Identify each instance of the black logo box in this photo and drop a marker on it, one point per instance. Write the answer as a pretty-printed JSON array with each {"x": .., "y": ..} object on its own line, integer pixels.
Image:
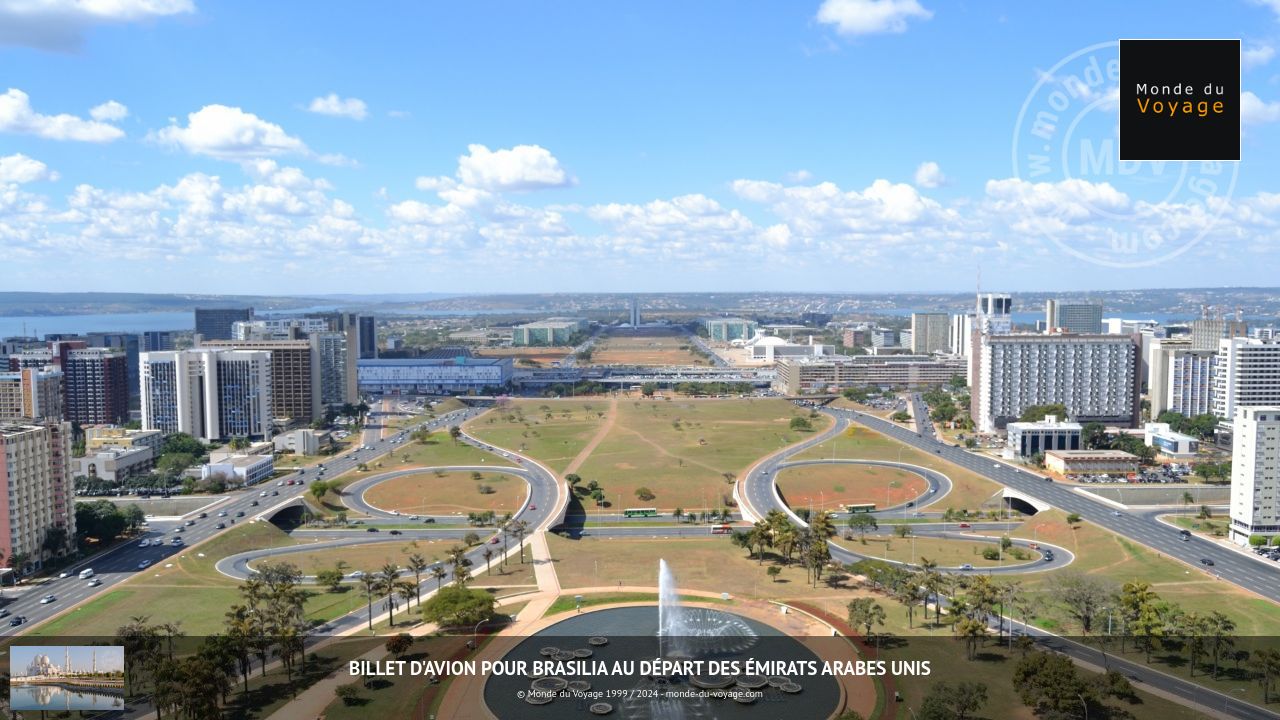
[{"x": 1187, "y": 68}]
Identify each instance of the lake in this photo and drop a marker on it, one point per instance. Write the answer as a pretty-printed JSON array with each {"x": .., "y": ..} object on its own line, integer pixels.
[
  {"x": 57, "y": 698},
  {"x": 39, "y": 326}
]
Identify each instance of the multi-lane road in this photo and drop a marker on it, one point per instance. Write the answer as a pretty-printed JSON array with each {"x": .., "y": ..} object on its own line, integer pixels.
[{"x": 121, "y": 563}]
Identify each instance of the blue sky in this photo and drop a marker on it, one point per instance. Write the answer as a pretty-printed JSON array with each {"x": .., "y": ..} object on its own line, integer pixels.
[{"x": 853, "y": 145}]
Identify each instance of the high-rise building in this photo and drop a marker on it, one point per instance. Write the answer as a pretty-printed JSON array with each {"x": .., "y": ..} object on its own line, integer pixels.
[
  {"x": 295, "y": 377},
  {"x": 31, "y": 394},
  {"x": 992, "y": 315},
  {"x": 1207, "y": 332},
  {"x": 930, "y": 333},
  {"x": 215, "y": 323},
  {"x": 368, "y": 337},
  {"x": 1083, "y": 318},
  {"x": 555, "y": 331},
  {"x": 1255, "y": 473},
  {"x": 1094, "y": 376},
  {"x": 128, "y": 343},
  {"x": 157, "y": 341},
  {"x": 330, "y": 351},
  {"x": 210, "y": 393},
  {"x": 960, "y": 334},
  {"x": 35, "y": 492},
  {"x": 1247, "y": 375},
  {"x": 1180, "y": 379},
  {"x": 279, "y": 328},
  {"x": 348, "y": 324},
  {"x": 884, "y": 337},
  {"x": 635, "y": 312},
  {"x": 95, "y": 385}
]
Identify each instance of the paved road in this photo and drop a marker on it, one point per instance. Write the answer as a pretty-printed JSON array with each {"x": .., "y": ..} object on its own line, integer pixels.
[
  {"x": 702, "y": 345},
  {"x": 122, "y": 562},
  {"x": 1231, "y": 566}
]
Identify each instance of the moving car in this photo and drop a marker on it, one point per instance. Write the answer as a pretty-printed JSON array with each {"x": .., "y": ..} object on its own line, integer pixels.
[
  {"x": 222, "y": 513},
  {"x": 966, "y": 566},
  {"x": 253, "y": 503},
  {"x": 47, "y": 599},
  {"x": 144, "y": 564},
  {"x": 372, "y": 529},
  {"x": 239, "y": 513},
  {"x": 145, "y": 543},
  {"x": 95, "y": 582},
  {"x": 17, "y": 620},
  {"x": 1206, "y": 562},
  {"x": 220, "y": 526}
]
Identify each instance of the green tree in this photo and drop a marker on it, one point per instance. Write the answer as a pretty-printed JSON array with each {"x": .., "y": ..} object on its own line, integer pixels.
[
  {"x": 1036, "y": 413},
  {"x": 946, "y": 701},
  {"x": 458, "y": 607},
  {"x": 773, "y": 571},
  {"x": 348, "y": 693},
  {"x": 331, "y": 579},
  {"x": 1093, "y": 435},
  {"x": 865, "y": 613},
  {"x": 801, "y": 424},
  {"x": 645, "y": 494},
  {"x": 455, "y": 433}
]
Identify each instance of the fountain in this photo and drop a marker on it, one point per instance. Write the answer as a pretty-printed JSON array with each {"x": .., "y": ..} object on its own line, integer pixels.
[{"x": 673, "y": 625}]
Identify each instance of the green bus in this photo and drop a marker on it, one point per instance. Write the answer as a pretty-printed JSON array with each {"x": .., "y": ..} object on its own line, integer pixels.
[
  {"x": 640, "y": 512},
  {"x": 861, "y": 508}
]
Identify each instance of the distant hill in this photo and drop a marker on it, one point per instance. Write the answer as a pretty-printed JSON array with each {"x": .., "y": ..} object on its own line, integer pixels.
[{"x": 60, "y": 303}]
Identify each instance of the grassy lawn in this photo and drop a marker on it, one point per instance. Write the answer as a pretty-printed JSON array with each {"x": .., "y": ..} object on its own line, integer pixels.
[
  {"x": 969, "y": 490},
  {"x": 192, "y": 591},
  {"x": 645, "y": 350},
  {"x": 681, "y": 450},
  {"x": 709, "y": 563},
  {"x": 552, "y": 431},
  {"x": 947, "y": 553},
  {"x": 1212, "y": 527},
  {"x": 166, "y": 507},
  {"x": 437, "y": 451},
  {"x": 368, "y": 557},
  {"x": 833, "y": 486},
  {"x": 448, "y": 492}
]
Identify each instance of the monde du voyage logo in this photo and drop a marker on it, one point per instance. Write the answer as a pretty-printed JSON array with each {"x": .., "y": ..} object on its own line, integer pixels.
[{"x": 1180, "y": 100}]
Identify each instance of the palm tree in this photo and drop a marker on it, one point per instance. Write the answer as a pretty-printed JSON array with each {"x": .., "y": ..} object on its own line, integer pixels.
[
  {"x": 387, "y": 578},
  {"x": 439, "y": 573},
  {"x": 519, "y": 528},
  {"x": 407, "y": 592},
  {"x": 417, "y": 564},
  {"x": 488, "y": 555},
  {"x": 370, "y": 583},
  {"x": 823, "y": 523},
  {"x": 909, "y": 594}
]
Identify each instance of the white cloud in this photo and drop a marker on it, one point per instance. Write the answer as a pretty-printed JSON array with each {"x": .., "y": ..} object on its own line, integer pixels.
[
  {"x": 17, "y": 116},
  {"x": 1256, "y": 111},
  {"x": 1274, "y": 5},
  {"x": 230, "y": 133},
  {"x": 19, "y": 168},
  {"x": 929, "y": 175},
  {"x": 60, "y": 24},
  {"x": 798, "y": 176},
  {"x": 523, "y": 167},
  {"x": 335, "y": 106},
  {"x": 1066, "y": 201},
  {"x": 420, "y": 213},
  {"x": 1256, "y": 56},
  {"x": 868, "y": 17},
  {"x": 109, "y": 111}
]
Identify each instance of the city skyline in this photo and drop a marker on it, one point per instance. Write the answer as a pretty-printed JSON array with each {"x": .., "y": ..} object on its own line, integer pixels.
[
  {"x": 723, "y": 144},
  {"x": 110, "y": 658}
]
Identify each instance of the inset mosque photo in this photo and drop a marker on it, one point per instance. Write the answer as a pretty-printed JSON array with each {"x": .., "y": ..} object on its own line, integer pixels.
[{"x": 66, "y": 677}]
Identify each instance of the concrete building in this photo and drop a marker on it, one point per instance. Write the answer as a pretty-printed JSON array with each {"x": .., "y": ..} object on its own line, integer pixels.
[
  {"x": 156, "y": 341},
  {"x": 1167, "y": 442},
  {"x": 1180, "y": 379},
  {"x": 992, "y": 315},
  {"x": 1255, "y": 473},
  {"x": 368, "y": 337},
  {"x": 31, "y": 394},
  {"x": 216, "y": 323},
  {"x": 771, "y": 348},
  {"x": 244, "y": 470},
  {"x": 549, "y": 332},
  {"x": 1094, "y": 376},
  {"x": 960, "y": 334},
  {"x": 1207, "y": 333},
  {"x": 1073, "y": 317},
  {"x": 930, "y": 333},
  {"x": 430, "y": 376},
  {"x": 303, "y": 441},
  {"x": 635, "y": 312},
  {"x": 212, "y": 394},
  {"x": 128, "y": 343},
  {"x": 295, "y": 377},
  {"x": 1121, "y": 326},
  {"x": 95, "y": 386},
  {"x": 1071, "y": 463},
  {"x": 97, "y": 437},
  {"x": 884, "y": 337},
  {"x": 730, "y": 329},
  {"x": 1247, "y": 375},
  {"x": 1028, "y": 438},
  {"x": 277, "y": 328},
  {"x": 35, "y": 491},
  {"x": 855, "y": 337},
  {"x": 801, "y": 376},
  {"x": 115, "y": 464}
]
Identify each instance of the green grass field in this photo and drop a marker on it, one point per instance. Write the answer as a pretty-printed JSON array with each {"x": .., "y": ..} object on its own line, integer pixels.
[
  {"x": 681, "y": 450},
  {"x": 970, "y": 489},
  {"x": 449, "y": 492},
  {"x": 947, "y": 553},
  {"x": 552, "y": 431}
]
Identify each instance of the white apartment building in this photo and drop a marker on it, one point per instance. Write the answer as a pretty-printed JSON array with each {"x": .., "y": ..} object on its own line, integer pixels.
[
  {"x": 37, "y": 491},
  {"x": 1247, "y": 375},
  {"x": 1094, "y": 376},
  {"x": 212, "y": 394},
  {"x": 1180, "y": 379},
  {"x": 1255, "y": 473},
  {"x": 961, "y": 334}
]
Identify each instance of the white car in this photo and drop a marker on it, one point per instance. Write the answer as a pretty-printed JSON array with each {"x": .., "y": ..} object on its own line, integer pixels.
[
  {"x": 47, "y": 599},
  {"x": 145, "y": 543}
]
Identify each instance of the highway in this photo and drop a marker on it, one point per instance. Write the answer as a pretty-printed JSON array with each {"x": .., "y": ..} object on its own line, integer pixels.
[{"x": 121, "y": 563}]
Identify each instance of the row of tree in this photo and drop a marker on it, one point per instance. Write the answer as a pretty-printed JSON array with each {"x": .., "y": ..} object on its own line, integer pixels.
[{"x": 806, "y": 545}]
